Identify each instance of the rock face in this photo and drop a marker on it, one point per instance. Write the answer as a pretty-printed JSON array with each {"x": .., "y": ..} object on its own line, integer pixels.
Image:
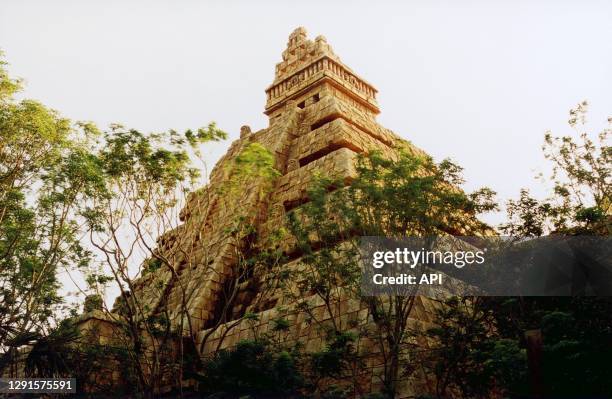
[{"x": 321, "y": 114}]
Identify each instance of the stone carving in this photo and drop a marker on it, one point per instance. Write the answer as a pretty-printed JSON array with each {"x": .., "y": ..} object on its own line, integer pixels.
[
  {"x": 292, "y": 165},
  {"x": 305, "y": 60},
  {"x": 245, "y": 131}
]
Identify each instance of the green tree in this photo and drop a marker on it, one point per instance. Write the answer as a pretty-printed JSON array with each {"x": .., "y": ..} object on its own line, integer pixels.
[
  {"x": 480, "y": 342},
  {"x": 576, "y": 343},
  {"x": 576, "y": 330},
  {"x": 144, "y": 180},
  {"x": 44, "y": 175},
  {"x": 581, "y": 200},
  {"x": 408, "y": 196},
  {"x": 465, "y": 354},
  {"x": 134, "y": 223}
]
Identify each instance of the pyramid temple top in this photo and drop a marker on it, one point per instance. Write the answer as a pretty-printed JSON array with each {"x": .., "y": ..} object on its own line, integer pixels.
[
  {"x": 302, "y": 51},
  {"x": 306, "y": 62}
]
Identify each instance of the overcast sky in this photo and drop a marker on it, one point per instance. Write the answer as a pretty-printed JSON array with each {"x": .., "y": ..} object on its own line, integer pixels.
[{"x": 477, "y": 81}]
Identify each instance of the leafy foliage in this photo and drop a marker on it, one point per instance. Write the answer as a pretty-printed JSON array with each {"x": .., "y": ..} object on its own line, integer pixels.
[
  {"x": 576, "y": 334},
  {"x": 61, "y": 182},
  {"x": 44, "y": 176},
  {"x": 465, "y": 356},
  {"x": 252, "y": 368},
  {"x": 336, "y": 357},
  {"x": 143, "y": 180},
  {"x": 582, "y": 180}
]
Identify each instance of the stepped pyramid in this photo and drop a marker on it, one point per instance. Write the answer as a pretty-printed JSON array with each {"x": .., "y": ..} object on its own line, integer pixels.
[{"x": 321, "y": 114}]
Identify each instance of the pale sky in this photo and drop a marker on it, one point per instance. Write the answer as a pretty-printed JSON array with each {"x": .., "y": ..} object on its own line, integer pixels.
[{"x": 477, "y": 81}]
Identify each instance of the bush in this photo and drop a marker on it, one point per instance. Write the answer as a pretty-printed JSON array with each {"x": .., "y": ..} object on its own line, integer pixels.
[{"x": 253, "y": 368}]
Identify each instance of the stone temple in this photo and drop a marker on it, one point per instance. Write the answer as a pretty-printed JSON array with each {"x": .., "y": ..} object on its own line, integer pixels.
[{"x": 321, "y": 115}]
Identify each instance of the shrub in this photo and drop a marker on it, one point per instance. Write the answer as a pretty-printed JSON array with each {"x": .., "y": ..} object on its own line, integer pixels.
[{"x": 253, "y": 368}]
